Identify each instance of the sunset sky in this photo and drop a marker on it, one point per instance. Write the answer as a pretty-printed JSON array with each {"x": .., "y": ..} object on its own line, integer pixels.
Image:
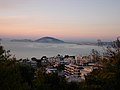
[{"x": 66, "y": 19}]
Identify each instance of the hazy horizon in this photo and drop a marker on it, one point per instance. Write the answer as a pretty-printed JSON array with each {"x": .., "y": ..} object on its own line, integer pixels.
[
  {"x": 77, "y": 40},
  {"x": 86, "y": 20}
]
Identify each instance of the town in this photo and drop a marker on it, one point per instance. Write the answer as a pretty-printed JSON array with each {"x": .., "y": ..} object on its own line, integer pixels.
[{"x": 73, "y": 68}]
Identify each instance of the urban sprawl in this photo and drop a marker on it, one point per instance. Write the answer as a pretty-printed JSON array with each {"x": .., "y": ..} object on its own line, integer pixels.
[{"x": 73, "y": 68}]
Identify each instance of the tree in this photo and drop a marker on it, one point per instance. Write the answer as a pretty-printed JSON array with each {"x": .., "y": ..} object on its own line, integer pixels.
[
  {"x": 107, "y": 77},
  {"x": 11, "y": 76},
  {"x": 96, "y": 55}
]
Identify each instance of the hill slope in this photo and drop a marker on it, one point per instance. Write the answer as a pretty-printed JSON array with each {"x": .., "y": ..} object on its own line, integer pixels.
[{"x": 49, "y": 40}]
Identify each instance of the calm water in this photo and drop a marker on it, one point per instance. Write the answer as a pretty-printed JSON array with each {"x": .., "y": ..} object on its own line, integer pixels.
[{"x": 32, "y": 49}]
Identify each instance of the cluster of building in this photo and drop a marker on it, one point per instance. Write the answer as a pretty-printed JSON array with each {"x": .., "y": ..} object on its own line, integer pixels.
[{"x": 73, "y": 68}]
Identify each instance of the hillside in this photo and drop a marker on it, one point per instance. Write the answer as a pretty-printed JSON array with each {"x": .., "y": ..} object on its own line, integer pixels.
[{"x": 49, "y": 40}]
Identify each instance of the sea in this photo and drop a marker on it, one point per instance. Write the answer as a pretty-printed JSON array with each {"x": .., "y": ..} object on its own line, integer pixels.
[{"x": 33, "y": 49}]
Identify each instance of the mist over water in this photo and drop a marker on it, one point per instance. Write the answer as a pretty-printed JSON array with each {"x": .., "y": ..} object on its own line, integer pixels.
[{"x": 33, "y": 49}]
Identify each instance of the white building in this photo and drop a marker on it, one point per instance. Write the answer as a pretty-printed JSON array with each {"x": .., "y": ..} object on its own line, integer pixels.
[{"x": 72, "y": 70}]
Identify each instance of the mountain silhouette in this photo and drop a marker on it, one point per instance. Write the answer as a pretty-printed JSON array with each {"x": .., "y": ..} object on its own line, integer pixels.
[{"x": 49, "y": 40}]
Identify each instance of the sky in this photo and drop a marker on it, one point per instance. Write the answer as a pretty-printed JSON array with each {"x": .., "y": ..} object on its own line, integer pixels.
[{"x": 65, "y": 19}]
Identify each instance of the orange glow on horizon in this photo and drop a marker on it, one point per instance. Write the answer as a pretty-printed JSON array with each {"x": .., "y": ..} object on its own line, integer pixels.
[{"x": 22, "y": 26}]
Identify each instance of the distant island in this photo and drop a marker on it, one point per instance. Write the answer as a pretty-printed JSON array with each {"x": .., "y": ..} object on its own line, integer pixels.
[
  {"x": 41, "y": 40},
  {"x": 21, "y": 40},
  {"x": 49, "y": 40},
  {"x": 55, "y": 40}
]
